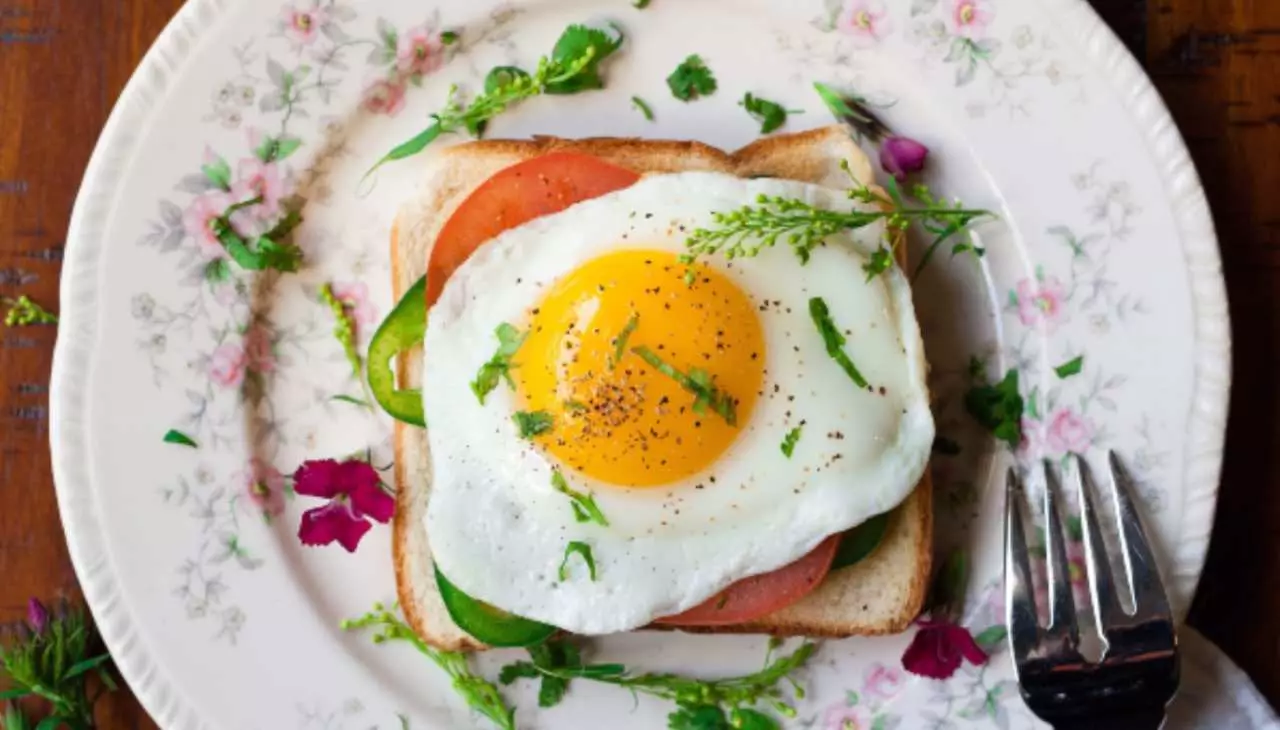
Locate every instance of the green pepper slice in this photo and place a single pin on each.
(860, 542)
(401, 330)
(490, 624)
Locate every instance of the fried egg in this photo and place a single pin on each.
(667, 404)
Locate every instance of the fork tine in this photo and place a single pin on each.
(1020, 606)
(1106, 609)
(1063, 630)
(1149, 597)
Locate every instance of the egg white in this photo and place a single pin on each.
(498, 530)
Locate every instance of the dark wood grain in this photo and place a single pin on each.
(64, 62)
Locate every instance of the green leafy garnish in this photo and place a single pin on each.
(998, 408)
(771, 115)
(344, 328)
(691, 79)
(449, 37)
(532, 423)
(584, 551)
(643, 106)
(1071, 367)
(499, 366)
(746, 232)
(834, 340)
(639, 4)
(479, 694)
(551, 654)
(699, 382)
(585, 508)
(341, 398)
(790, 440)
(23, 312)
(576, 406)
(181, 439)
(852, 110)
(620, 342)
(572, 66)
(266, 252)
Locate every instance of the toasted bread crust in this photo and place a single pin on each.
(811, 156)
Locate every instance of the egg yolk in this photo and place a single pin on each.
(648, 379)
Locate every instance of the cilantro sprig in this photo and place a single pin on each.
(834, 340)
(692, 79)
(585, 508)
(770, 114)
(550, 654)
(998, 407)
(696, 381)
(573, 66)
(499, 366)
(582, 550)
(479, 694)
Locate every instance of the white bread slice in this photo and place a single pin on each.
(879, 595)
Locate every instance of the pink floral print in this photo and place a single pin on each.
(419, 52)
(355, 297)
(844, 717)
(259, 350)
(199, 218)
(385, 96)
(1042, 300)
(1032, 442)
(1068, 432)
(258, 179)
(970, 18)
(265, 486)
(303, 26)
(866, 19)
(882, 682)
(227, 365)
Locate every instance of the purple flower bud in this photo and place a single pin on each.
(900, 156)
(37, 616)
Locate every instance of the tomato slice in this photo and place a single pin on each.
(517, 195)
(759, 595)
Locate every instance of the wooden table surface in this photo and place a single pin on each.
(1217, 62)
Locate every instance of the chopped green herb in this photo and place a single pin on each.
(352, 400)
(449, 37)
(691, 80)
(499, 366)
(771, 115)
(573, 66)
(699, 382)
(643, 106)
(551, 654)
(264, 252)
(639, 4)
(23, 312)
(533, 423)
(344, 328)
(790, 440)
(998, 408)
(620, 342)
(1071, 367)
(576, 406)
(479, 694)
(584, 551)
(585, 508)
(181, 439)
(834, 340)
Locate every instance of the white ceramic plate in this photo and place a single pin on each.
(219, 619)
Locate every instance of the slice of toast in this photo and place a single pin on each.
(879, 595)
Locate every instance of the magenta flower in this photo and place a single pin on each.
(1041, 300)
(227, 365)
(1068, 432)
(866, 20)
(384, 96)
(303, 26)
(37, 616)
(355, 495)
(257, 179)
(900, 156)
(259, 351)
(939, 647)
(265, 485)
(419, 52)
(882, 682)
(355, 297)
(844, 717)
(970, 18)
(199, 222)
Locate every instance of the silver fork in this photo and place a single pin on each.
(1137, 675)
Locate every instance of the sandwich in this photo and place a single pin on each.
(637, 418)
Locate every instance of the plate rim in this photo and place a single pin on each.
(69, 439)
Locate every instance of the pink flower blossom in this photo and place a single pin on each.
(265, 485)
(257, 179)
(882, 682)
(227, 364)
(1068, 432)
(900, 156)
(199, 218)
(385, 96)
(355, 495)
(1032, 438)
(419, 52)
(303, 26)
(866, 19)
(938, 649)
(259, 350)
(1041, 300)
(355, 297)
(37, 616)
(844, 717)
(970, 18)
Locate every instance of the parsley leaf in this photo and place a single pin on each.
(643, 106)
(699, 382)
(998, 408)
(499, 366)
(551, 654)
(532, 423)
(585, 508)
(1071, 367)
(584, 551)
(771, 115)
(578, 42)
(790, 440)
(691, 80)
(834, 340)
(179, 438)
(620, 342)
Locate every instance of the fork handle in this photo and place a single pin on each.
(1151, 719)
